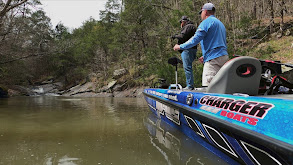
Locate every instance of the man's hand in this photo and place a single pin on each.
(201, 59)
(176, 47)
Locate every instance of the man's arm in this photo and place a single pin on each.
(184, 33)
(176, 47)
(193, 41)
(178, 36)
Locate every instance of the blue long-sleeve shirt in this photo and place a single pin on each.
(211, 34)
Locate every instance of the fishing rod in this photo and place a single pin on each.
(270, 61)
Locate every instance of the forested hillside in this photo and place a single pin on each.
(131, 34)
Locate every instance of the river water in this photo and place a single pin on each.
(91, 131)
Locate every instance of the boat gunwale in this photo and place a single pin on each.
(276, 144)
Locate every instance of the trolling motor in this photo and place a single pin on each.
(175, 61)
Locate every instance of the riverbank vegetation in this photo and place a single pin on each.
(131, 34)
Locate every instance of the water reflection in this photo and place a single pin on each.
(60, 130)
(175, 147)
(65, 160)
(77, 131)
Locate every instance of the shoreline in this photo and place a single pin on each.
(81, 91)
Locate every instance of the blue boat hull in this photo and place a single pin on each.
(247, 130)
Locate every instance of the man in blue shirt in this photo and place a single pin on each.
(211, 34)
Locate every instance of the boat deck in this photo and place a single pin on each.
(280, 96)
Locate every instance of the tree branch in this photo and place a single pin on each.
(28, 56)
(162, 6)
(4, 10)
(8, 7)
(17, 4)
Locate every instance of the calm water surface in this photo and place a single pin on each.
(90, 131)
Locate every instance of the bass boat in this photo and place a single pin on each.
(244, 116)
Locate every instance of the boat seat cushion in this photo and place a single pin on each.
(239, 75)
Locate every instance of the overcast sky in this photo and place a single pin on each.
(72, 12)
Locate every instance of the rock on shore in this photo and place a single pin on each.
(87, 89)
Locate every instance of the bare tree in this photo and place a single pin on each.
(9, 5)
(282, 11)
(254, 9)
(271, 9)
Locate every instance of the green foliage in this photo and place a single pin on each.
(24, 38)
(139, 38)
(61, 32)
(244, 26)
(265, 53)
(12, 74)
(134, 35)
(111, 13)
(197, 74)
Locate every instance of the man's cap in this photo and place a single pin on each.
(208, 6)
(184, 18)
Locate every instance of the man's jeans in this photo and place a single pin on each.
(188, 57)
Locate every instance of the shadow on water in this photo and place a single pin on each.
(70, 131)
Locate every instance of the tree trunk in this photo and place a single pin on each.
(254, 10)
(271, 6)
(228, 9)
(282, 16)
